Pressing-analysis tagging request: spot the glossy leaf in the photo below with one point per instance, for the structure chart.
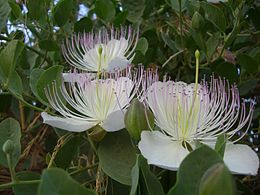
(62, 11)
(176, 5)
(29, 189)
(134, 9)
(217, 180)
(47, 78)
(36, 9)
(151, 183)
(227, 70)
(15, 85)
(10, 130)
(105, 9)
(214, 15)
(34, 77)
(248, 63)
(221, 145)
(9, 56)
(48, 45)
(4, 12)
(142, 45)
(67, 152)
(117, 156)
(83, 25)
(58, 182)
(16, 11)
(192, 170)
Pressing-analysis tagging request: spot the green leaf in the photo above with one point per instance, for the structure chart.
(120, 18)
(117, 156)
(36, 9)
(142, 45)
(9, 56)
(248, 63)
(16, 11)
(176, 5)
(58, 182)
(215, 179)
(49, 45)
(254, 14)
(83, 25)
(247, 86)
(153, 185)
(135, 9)
(47, 77)
(10, 130)
(4, 12)
(197, 21)
(227, 70)
(135, 176)
(105, 9)
(62, 12)
(221, 144)
(214, 15)
(168, 41)
(212, 44)
(15, 85)
(34, 77)
(28, 189)
(67, 152)
(192, 170)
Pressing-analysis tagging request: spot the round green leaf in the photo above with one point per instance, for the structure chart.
(4, 10)
(248, 63)
(47, 77)
(58, 182)
(215, 179)
(105, 9)
(83, 25)
(62, 11)
(117, 156)
(28, 189)
(227, 70)
(142, 45)
(10, 130)
(134, 9)
(192, 170)
(36, 9)
(215, 15)
(48, 45)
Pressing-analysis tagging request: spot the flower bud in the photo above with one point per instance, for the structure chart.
(8, 147)
(197, 21)
(137, 118)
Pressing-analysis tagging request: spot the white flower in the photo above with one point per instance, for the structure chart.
(85, 102)
(101, 51)
(185, 117)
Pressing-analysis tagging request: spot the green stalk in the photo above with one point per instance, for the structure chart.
(11, 184)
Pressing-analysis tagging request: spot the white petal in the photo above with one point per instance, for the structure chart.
(114, 121)
(118, 63)
(68, 124)
(160, 150)
(241, 159)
